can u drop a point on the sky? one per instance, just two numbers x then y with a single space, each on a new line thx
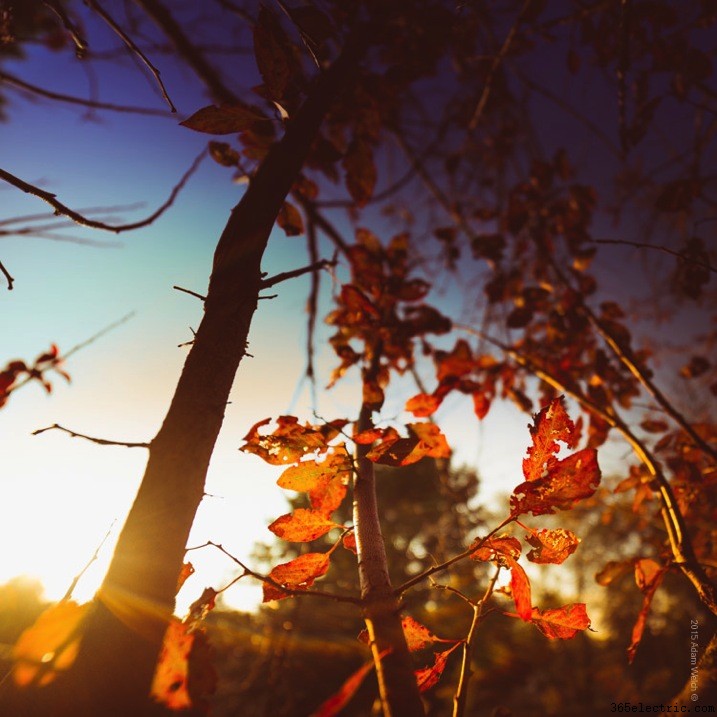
62 495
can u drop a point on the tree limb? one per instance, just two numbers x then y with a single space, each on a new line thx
98 441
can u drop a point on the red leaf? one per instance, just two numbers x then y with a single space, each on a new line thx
227 119
561 623
552 546
567 482
551 424
274 56
423 405
169 686
481 404
498 549
302 526
419 636
298 574
289 219
334 704
349 542
426 440
429 676
648 576
520 590
185 572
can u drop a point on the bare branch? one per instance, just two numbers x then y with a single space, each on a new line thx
7 276
77 38
78 218
278 278
658 247
16 82
94 5
94 557
190 292
98 441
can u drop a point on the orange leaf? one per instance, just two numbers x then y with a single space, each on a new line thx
551 424
426 439
171 676
419 636
298 574
227 119
185 572
423 405
349 542
289 219
429 676
481 404
432 439
50 645
567 482
334 704
495 549
611 571
302 526
552 546
520 590
561 623
648 576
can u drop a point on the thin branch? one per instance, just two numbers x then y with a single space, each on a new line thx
461 696
272 582
322 223
81 101
78 218
485 94
187 50
447 563
94 557
7 276
74 33
658 247
285 275
312 306
98 441
46 216
190 292
94 5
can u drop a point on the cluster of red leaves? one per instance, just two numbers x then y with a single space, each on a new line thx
324 481
17 370
550 483
474 375
382 309
424 439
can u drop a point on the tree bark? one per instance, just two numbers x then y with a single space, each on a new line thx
123 634
398 689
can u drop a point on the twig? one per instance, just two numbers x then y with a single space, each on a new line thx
461 696
7 276
658 247
322 223
78 218
278 278
99 441
190 292
94 557
94 5
485 94
272 582
46 216
77 38
71 99
447 563
312 305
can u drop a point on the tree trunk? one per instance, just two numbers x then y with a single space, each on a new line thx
123 634
394 668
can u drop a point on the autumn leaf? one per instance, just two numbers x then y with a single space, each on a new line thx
520 589
184 573
568 481
349 542
612 570
50 645
561 623
427 677
298 574
423 405
226 119
223 154
334 704
302 526
273 53
648 576
419 636
289 219
552 546
426 439
497 549
550 425
360 171
169 686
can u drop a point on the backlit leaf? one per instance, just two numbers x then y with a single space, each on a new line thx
50 645
426 439
497 549
334 704
552 546
289 219
611 571
648 576
417 635
302 526
170 684
520 590
429 676
423 405
184 573
561 623
298 574
226 119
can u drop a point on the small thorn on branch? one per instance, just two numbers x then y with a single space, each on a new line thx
92 439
